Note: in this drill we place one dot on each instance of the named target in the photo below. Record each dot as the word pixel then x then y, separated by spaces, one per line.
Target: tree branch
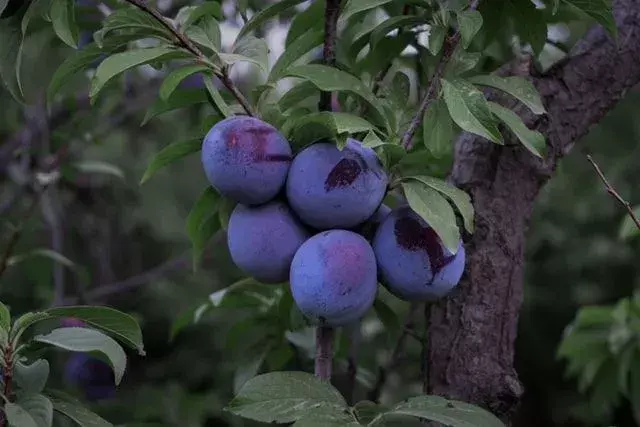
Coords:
pixel 612 191
pixel 331 13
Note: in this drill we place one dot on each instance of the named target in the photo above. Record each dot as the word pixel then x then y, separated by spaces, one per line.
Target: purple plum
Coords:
pixel 91 375
pixel 329 188
pixel 246 159
pixel 263 240
pixel 333 277
pixel 412 261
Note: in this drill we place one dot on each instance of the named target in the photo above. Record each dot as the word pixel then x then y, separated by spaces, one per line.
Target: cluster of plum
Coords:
pixel 318 221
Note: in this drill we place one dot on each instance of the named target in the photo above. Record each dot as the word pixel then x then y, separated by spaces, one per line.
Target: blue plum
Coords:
pixel 246 159
pixel 329 188
pixel 91 375
pixel 263 240
pixel 333 277
pixel 412 261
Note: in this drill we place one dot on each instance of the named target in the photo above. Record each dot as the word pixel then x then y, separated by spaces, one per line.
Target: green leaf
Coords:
pixel 309 20
pixel 284 397
pixel 221 106
pixel 88 340
pixel 461 61
pixel 171 82
pixel 121 62
pixel 5 317
pixel 435 210
pixel 178 99
pixel 265 14
pixel 202 222
pixel 18 416
pixel 356 6
pixel 469 109
pixel 469 23
pixel 437 129
pixel 73 409
pixel 518 87
pixel 600 10
pixel 224 211
pixel 133 20
pixel 327 417
pixel 25 321
pixel 331 79
pixel 448 412
pixel 529 22
pixel 387 316
pixel 333 122
pixel 3 5
pixel 460 198
pixel 297 94
pixel 391 24
pixel 114 322
pixel 32 378
pixel 98 167
pixel 206 33
pixel 532 140
pixel 301 46
pixel 628 228
pixel 11 37
pixel 210 8
pixel 248 49
pixel 436 39
pixel 170 154
pixel 39 407
pixel 63 18
pixel 248 369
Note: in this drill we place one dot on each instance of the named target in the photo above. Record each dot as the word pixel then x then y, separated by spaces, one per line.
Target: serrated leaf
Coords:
pixel 435 210
pixel 518 87
pixel 218 102
pixel 17 416
pixel 460 198
pixel 39 407
pixel 448 412
pixel 437 129
pixel 172 81
pixel 265 14
pixel 600 10
pixel 170 154
pixel 391 24
pixel 63 18
pixel 532 140
pixel 469 23
pixel 356 6
pixel 461 61
pixel 114 322
pixel 88 340
pixel 74 410
pixel 299 47
pixel 436 39
pixel 248 49
pixel 98 167
pixel 131 18
pixel 32 378
pixel 469 109
pixel 121 62
pixel 206 33
pixel 179 99
pixel 5 317
pixel 309 20
pixel 284 397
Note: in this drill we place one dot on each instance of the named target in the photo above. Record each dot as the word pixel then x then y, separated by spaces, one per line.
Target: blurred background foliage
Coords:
pixel 129 247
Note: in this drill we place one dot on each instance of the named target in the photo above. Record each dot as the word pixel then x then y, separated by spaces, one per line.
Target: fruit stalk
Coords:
pixel 324 352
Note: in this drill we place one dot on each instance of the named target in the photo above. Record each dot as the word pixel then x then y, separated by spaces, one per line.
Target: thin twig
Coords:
pixel 383 371
pixel 612 191
pixel 183 41
pixel 448 48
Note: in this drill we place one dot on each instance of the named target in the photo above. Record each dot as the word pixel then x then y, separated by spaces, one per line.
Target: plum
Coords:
pixel 412 261
pixel 246 159
pixel 333 277
pixel 91 375
pixel 263 239
pixel 329 188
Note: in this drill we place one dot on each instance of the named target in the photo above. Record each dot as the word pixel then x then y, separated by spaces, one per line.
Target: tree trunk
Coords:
pixel 472 333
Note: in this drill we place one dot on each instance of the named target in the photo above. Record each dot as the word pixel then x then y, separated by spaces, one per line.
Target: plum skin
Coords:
pixel 333 277
pixel 92 376
pixel 329 188
pixel 246 159
pixel 263 239
pixel 409 252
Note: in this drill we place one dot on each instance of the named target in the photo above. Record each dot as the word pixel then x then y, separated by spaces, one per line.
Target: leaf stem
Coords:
pixel 450 44
pixel 324 352
pixel 183 41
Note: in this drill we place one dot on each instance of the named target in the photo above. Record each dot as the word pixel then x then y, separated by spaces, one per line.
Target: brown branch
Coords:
pixel 612 191
pixel 450 45
pixel 331 13
pixel 383 371
pixel 183 41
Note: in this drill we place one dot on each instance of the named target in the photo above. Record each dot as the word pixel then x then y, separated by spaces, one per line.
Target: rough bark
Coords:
pixel 472 333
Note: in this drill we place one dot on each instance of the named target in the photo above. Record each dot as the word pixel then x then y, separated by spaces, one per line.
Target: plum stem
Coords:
pixel 331 13
pixel 181 40
pixel 450 45
pixel 424 353
pixel 324 352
